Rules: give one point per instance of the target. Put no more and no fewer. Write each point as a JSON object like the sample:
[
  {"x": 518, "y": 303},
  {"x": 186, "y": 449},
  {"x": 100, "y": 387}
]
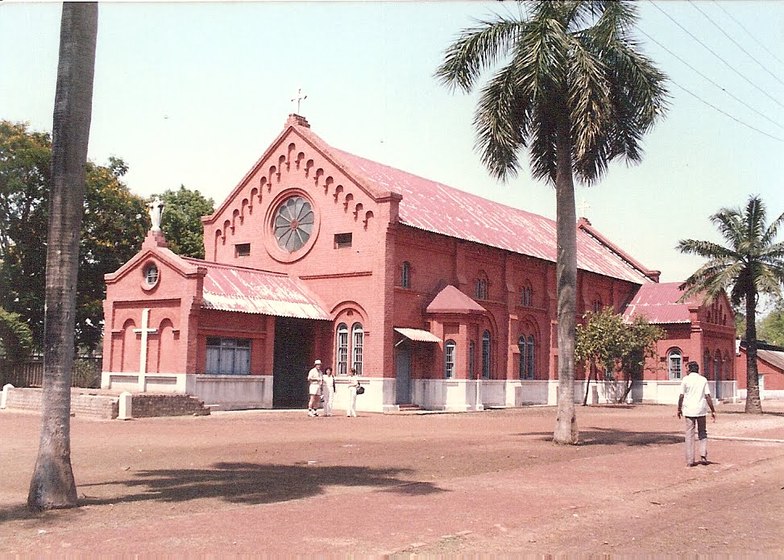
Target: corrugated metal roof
[
  {"x": 773, "y": 357},
  {"x": 659, "y": 304},
  {"x": 418, "y": 335},
  {"x": 245, "y": 290},
  {"x": 438, "y": 208}
]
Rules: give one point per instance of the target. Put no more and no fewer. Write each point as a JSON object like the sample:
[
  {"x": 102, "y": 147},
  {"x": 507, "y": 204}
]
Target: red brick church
[{"x": 437, "y": 297}]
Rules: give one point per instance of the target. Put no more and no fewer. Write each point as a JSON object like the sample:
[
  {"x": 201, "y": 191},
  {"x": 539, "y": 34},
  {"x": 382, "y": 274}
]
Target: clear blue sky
[{"x": 193, "y": 93}]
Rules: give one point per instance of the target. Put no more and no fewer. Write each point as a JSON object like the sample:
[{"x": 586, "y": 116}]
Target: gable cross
[
  {"x": 144, "y": 331},
  {"x": 299, "y": 99}
]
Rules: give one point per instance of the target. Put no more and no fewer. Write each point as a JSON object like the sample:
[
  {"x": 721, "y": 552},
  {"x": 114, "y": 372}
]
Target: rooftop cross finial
[{"x": 299, "y": 98}]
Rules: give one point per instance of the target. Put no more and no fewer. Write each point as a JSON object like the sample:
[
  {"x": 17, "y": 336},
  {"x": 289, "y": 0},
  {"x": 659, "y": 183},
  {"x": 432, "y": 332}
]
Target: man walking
[
  {"x": 314, "y": 388},
  {"x": 693, "y": 404}
]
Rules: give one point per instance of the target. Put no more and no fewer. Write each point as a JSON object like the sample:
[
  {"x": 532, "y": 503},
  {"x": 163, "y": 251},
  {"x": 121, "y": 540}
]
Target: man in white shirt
[
  {"x": 693, "y": 404},
  {"x": 314, "y": 388}
]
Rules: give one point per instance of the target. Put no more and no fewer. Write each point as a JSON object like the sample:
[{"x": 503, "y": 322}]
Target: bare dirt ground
[{"x": 490, "y": 483}]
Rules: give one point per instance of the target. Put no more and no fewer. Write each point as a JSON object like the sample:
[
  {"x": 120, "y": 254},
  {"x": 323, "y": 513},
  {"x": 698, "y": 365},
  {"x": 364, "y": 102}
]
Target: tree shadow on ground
[
  {"x": 240, "y": 483},
  {"x": 251, "y": 483},
  {"x": 606, "y": 436}
]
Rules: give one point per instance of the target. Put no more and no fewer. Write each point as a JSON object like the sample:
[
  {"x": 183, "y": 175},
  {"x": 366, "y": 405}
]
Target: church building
[{"x": 438, "y": 298}]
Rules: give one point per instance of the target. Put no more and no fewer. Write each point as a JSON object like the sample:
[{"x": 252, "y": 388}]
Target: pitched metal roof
[
  {"x": 246, "y": 290},
  {"x": 659, "y": 304},
  {"x": 773, "y": 357},
  {"x": 438, "y": 208},
  {"x": 452, "y": 300},
  {"x": 418, "y": 335}
]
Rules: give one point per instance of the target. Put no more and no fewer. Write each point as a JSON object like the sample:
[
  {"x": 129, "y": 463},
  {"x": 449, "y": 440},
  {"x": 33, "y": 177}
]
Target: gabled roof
[
  {"x": 452, "y": 300},
  {"x": 773, "y": 357},
  {"x": 438, "y": 208},
  {"x": 659, "y": 304},
  {"x": 247, "y": 290}
]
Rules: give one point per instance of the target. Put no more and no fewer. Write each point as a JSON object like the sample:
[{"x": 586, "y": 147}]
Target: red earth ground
[{"x": 279, "y": 483}]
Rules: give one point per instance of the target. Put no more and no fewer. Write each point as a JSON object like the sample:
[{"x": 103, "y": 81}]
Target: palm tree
[
  {"x": 52, "y": 485},
  {"x": 575, "y": 92},
  {"x": 749, "y": 265}
]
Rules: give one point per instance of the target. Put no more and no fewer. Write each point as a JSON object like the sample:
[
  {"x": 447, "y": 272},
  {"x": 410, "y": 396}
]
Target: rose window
[{"x": 293, "y": 223}]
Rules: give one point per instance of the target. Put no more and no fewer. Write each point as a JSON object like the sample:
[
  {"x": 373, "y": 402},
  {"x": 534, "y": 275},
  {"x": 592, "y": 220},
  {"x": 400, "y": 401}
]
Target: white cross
[
  {"x": 144, "y": 331},
  {"x": 299, "y": 98}
]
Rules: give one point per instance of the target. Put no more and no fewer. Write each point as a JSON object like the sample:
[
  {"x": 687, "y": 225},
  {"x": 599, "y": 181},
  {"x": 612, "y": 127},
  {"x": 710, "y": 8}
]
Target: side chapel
[{"x": 437, "y": 297}]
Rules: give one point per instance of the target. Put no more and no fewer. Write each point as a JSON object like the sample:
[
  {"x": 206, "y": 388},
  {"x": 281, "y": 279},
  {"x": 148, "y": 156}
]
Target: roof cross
[{"x": 299, "y": 99}]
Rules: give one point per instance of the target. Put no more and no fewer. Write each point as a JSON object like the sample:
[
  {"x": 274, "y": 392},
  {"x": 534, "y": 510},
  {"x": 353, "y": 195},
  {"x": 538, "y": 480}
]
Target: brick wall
[{"x": 82, "y": 405}]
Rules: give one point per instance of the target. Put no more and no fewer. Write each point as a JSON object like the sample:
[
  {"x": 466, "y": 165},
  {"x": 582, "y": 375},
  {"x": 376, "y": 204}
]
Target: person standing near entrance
[
  {"x": 693, "y": 404},
  {"x": 314, "y": 388},
  {"x": 353, "y": 383},
  {"x": 328, "y": 391}
]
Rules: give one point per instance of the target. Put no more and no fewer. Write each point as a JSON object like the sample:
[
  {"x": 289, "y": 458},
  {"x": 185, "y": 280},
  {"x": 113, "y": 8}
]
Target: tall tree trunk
[
  {"x": 566, "y": 279},
  {"x": 53, "y": 485},
  {"x": 753, "y": 402}
]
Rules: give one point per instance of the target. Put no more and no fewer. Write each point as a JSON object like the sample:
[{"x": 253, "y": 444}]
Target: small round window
[
  {"x": 293, "y": 223},
  {"x": 151, "y": 275}
]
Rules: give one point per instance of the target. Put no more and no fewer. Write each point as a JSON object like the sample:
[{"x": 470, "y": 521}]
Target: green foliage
[
  {"x": 181, "y": 221},
  {"x": 750, "y": 264},
  {"x": 112, "y": 231},
  {"x": 572, "y": 65},
  {"x": 771, "y": 328},
  {"x": 16, "y": 338},
  {"x": 611, "y": 344}
]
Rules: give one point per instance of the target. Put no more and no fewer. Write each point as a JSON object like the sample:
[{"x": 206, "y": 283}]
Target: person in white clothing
[
  {"x": 693, "y": 404},
  {"x": 328, "y": 391},
  {"x": 314, "y": 388},
  {"x": 352, "y": 394}
]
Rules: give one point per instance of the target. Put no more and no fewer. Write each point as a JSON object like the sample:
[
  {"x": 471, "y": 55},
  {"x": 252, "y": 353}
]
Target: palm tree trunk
[
  {"x": 753, "y": 402},
  {"x": 52, "y": 485},
  {"x": 566, "y": 279}
]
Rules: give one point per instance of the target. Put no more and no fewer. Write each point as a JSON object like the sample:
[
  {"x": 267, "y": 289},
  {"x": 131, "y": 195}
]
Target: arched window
[
  {"x": 706, "y": 364},
  {"x": 523, "y": 367},
  {"x": 526, "y": 296},
  {"x": 481, "y": 289},
  {"x": 471, "y": 360},
  {"x": 486, "y": 355},
  {"x": 596, "y": 305},
  {"x": 527, "y": 357},
  {"x": 531, "y": 359},
  {"x": 405, "y": 275},
  {"x": 717, "y": 365},
  {"x": 449, "y": 359},
  {"x": 727, "y": 367},
  {"x": 341, "y": 344},
  {"x": 674, "y": 363},
  {"x": 357, "y": 338}
]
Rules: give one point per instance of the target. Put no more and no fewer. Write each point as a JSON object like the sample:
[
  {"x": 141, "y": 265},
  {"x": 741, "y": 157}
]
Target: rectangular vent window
[
  {"x": 342, "y": 240},
  {"x": 242, "y": 249}
]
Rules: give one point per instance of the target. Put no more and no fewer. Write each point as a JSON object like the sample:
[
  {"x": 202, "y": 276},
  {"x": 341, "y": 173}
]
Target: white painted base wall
[{"x": 234, "y": 392}]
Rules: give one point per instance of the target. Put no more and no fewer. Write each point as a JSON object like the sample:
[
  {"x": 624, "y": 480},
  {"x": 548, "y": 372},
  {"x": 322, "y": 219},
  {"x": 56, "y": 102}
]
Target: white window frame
[
  {"x": 450, "y": 356},
  {"x": 357, "y": 346}
]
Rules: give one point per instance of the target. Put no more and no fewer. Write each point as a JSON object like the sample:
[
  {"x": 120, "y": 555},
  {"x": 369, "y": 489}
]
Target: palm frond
[{"x": 477, "y": 49}]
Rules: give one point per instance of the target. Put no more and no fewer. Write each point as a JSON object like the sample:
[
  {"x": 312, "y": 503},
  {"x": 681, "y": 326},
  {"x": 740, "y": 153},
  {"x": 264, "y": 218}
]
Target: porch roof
[
  {"x": 246, "y": 290},
  {"x": 417, "y": 335}
]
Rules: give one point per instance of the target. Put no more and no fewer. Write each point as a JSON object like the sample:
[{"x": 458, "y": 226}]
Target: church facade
[{"x": 438, "y": 298}]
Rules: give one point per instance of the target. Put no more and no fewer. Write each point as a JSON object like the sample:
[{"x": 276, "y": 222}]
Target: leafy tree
[
  {"x": 52, "y": 484},
  {"x": 771, "y": 328},
  {"x": 16, "y": 339},
  {"x": 605, "y": 341},
  {"x": 750, "y": 264},
  {"x": 112, "y": 231},
  {"x": 576, "y": 93},
  {"x": 181, "y": 221}
]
